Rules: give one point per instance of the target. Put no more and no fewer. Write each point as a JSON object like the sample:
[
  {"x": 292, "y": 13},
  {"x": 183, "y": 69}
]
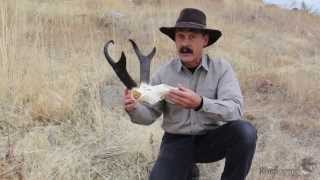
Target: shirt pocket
[{"x": 208, "y": 92}]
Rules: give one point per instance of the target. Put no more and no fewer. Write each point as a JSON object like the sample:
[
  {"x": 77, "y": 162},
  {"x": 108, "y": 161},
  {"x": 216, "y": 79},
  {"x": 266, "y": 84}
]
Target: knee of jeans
[{"x": 246, "y": 132}]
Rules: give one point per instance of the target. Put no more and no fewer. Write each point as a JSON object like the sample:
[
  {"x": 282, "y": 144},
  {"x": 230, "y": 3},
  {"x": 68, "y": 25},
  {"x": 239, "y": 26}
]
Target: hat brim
[{"x": 213, "y": 34}]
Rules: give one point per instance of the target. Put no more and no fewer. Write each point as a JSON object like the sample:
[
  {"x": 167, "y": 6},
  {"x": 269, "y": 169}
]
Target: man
[{"x": 202, "y": 118}]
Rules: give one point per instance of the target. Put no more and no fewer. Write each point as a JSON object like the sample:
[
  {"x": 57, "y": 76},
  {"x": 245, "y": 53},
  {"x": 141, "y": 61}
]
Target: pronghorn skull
[{"x": 144, "y": 92}]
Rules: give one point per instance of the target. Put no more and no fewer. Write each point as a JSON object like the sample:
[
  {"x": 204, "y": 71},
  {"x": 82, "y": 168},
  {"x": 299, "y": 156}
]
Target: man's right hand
[{"x": 130, "y": 103}]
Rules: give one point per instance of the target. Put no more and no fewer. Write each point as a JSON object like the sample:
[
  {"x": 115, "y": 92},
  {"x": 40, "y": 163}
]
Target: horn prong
[
  {"x": 152, "y": 53},
  {"x": 106, "y": 52},
  {"x": 136, "y": 49},
  {"x": 145, "y": 62},
  {"x": 120, "y": 67}
]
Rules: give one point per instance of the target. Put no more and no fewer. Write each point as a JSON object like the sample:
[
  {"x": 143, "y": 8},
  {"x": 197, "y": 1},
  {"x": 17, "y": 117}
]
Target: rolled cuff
[{"x": 142, "y": 115}]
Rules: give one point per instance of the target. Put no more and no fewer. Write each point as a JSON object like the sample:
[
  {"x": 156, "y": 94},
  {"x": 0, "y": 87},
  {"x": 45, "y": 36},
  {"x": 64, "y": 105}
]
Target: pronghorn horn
[
  {"x": 145, "y": 62},
  {"x": 120, "y": 67}
]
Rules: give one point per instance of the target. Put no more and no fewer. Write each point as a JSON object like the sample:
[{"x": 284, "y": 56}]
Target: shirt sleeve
[
  {"x": 146, "y": 114},
  {"x": 229, "y": 103}
]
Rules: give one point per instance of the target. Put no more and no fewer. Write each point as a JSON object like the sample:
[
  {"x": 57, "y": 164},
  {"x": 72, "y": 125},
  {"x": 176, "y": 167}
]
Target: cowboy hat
[{"x": 192, "y": 19}]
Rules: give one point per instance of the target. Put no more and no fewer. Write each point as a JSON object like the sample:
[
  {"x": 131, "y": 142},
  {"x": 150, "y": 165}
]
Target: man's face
[{"x": 190, "y": 46}]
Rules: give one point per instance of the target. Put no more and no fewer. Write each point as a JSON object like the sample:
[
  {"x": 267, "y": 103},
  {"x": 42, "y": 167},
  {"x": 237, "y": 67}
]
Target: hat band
[{"x": 182, "y": 24}]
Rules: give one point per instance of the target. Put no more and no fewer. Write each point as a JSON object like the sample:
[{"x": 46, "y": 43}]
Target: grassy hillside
[{"x": 60, "y": 102}]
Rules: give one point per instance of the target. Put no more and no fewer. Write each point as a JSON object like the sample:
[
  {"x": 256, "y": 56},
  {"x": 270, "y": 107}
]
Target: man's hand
[
  {"x": 184, "y": 97},
  {"x": 130, "y": 103}
]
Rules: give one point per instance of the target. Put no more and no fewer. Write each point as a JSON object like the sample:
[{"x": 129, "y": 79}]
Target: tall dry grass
[{"x": 52, "y": 71}]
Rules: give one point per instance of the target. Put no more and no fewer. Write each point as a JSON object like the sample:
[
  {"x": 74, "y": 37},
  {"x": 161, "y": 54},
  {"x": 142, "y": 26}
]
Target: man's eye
[{"x": 180, "y": 36}]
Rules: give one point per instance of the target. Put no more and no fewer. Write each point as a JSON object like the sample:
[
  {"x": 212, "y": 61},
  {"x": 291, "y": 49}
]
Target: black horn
[
  {"x": 120, "y": 67},
  {"x": 145, "y": 62}
]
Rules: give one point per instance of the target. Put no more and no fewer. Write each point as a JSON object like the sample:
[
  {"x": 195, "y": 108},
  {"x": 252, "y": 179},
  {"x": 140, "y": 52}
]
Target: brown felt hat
[{"x": 193, "y": 19}]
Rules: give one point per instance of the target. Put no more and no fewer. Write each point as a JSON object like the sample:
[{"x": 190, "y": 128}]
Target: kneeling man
[{"x": 203, "y": 116}]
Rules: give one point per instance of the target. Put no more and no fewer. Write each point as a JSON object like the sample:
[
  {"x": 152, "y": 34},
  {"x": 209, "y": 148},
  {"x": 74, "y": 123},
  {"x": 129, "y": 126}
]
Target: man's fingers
[
  {"x": 129, "y": 101},
  {"x": 184, "y": 89},
  {"x": 130, "y": 104},
  {"x": 126, "y": 91},
  {"x": 130, "y": 107},
  {"x": 177, "y": 99},
  {"x": 179, "y": 93},
  {"x": 128, "y": 94}
]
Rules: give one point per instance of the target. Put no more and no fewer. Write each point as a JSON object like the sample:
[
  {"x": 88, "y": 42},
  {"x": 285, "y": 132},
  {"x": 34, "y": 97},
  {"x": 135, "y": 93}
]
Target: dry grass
[{"x": 52, "y": 73}]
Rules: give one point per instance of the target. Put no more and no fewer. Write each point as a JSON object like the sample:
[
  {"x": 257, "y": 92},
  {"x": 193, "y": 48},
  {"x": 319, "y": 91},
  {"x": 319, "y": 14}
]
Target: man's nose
[{"x": 185, "y": 42}]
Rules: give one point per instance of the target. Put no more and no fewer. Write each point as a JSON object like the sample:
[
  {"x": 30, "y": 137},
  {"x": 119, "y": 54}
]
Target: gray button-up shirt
[{"x": 214, "y": 80}]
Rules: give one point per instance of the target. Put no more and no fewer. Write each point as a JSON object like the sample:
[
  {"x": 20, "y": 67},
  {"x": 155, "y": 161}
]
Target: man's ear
[{"x": 206, "y": 40}]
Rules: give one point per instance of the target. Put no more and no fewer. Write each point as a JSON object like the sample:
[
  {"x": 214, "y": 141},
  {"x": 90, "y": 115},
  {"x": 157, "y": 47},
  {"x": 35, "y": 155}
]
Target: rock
[{"x": 264, "y": 86}]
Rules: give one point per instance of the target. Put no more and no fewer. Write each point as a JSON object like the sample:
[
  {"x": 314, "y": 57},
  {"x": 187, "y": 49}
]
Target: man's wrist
[{"x": 200, "y": 105}]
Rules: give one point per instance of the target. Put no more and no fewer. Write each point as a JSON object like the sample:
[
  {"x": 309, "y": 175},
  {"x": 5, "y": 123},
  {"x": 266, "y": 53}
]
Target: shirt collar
[{"x": 204, "y": 63}]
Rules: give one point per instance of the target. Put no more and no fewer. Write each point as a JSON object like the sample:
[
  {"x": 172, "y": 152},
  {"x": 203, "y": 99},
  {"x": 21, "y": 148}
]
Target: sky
[{"x": 313, "y": 4}]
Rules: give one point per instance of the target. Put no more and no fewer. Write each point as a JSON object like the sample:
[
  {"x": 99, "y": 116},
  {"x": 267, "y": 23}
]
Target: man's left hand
[{"x": 184, "y": 97}]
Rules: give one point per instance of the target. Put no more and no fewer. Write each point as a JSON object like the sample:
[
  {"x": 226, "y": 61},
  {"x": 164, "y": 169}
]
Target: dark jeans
[{"x": 235, "y": 141}]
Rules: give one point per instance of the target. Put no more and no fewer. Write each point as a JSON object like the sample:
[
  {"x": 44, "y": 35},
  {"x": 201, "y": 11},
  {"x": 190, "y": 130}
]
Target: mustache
[{"x": 186, "y": 50}]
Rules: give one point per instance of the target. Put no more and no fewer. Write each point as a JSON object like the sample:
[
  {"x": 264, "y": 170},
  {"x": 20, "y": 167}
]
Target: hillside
[{"x": 60, "y": 103}]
